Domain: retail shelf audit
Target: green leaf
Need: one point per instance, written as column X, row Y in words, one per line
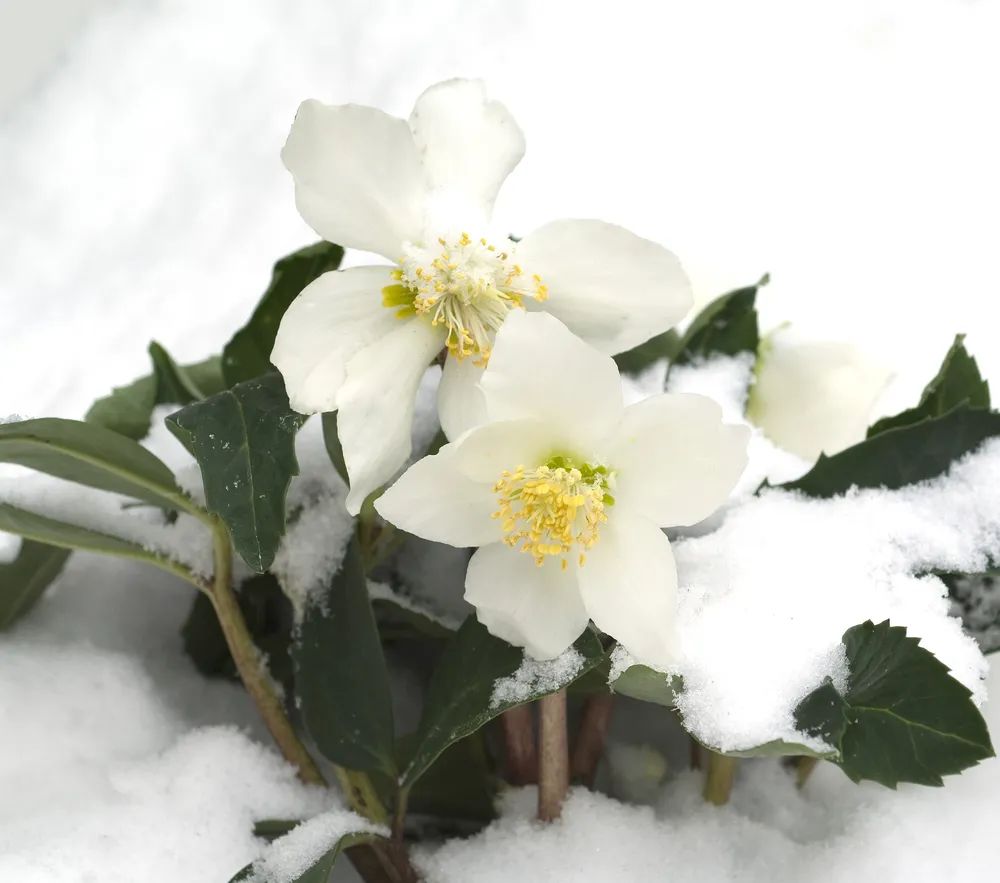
column 322, row 870
column 174, row 385
column 341, row 677
column 460, row 784
column 399, row 621
column 898, row 457
column 333, row 448
column 23, row 580
column 904, row 718
column 128, row 409
column 637, row 359
column 647, row 685
column 958, row 382
column 726, row 327
column 248, row 353
column 244, row 442
column 269, row 618
column 459, row 697
column 91, row 455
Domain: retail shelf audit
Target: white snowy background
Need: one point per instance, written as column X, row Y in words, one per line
column 850, row 149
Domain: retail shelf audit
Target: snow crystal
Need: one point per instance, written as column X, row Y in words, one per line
column 765, row 599
column 288, row 857
column 537, row 676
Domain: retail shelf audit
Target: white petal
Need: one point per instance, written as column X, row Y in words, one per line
column 538, row 608
column 814, row 396
column 540, row 370
column 629, row 587
column 358, row 178
column 675, row 461
column 611, row 287
column 468, row 144
column 435, row 501
column 486, row 451
column 375, row 405
column 333, row 318
column 461, row 404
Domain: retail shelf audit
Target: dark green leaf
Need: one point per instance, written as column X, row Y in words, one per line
column 174, row 385
column 637, row 359
column 23, row 580
column 958, row 382
column 332, row 442
column 904, row 718
column 460, row 784
column 322, row 870
column 898, row 457
column 459, row 697
column 272, row 829
column 244, row 442
column 91, row 455
column 128, row 409
column 268, row 616
column 726, row 327
column 248, row 354
column 647, row 685
column 341, row 677
column 397, row 620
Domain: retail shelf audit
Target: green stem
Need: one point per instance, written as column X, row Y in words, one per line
column 719, row 774
column 803, row 769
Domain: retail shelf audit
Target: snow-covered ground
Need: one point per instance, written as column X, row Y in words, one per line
column 849, row 149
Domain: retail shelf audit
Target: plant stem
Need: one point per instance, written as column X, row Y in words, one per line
column 249, row 664
column 553, row 755
column 592, row 737
column 694, row 756
column 803, row 769
column 719, row 776
column 519, row 741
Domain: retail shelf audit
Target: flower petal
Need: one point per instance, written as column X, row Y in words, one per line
column 629, row 587
column 334, row 317
column 814, row 396
column 486, row 451
column 611, row 287
column 675, row 461
column 540, row 370
column 435, row 501
column 358, row 178
column 375, row 405
column 460, row 401
column 538, row 608
column 468, row 144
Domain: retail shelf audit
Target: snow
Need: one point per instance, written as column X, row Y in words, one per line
column 536, row 676
column 143, row 198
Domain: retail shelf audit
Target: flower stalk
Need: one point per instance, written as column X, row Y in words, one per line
column 720, row 772
column 553, row 755
column 592, row 737
column 520, row 745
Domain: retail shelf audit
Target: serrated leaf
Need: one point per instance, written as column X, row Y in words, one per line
column 321, row 871
column 128, row 409
column 248, row 353
column 244, row 442
column 341, row 678
column 459, row 698
column 903, row 718
column 726, row 327
column 898, row 457
column 23, row 580
column 638, row 359
column 91, row 455
column 958, row 382
column 647, row 685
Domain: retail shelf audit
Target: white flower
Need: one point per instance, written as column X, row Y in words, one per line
column 565, row 490
column 420, row 193
column 811, row 397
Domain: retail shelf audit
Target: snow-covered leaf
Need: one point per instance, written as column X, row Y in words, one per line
column 23, row 580
column 341, row 677
column 248, row 353
column 958, row 382
column 319, row 872
column 91, row 455
column 903, row 718
column 726, row 327
column 901, row 456
column 462, row 696
column 128, row 409
column 244, row 442
column 647, row 685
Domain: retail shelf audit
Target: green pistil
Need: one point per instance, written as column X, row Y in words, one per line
column 400, row 298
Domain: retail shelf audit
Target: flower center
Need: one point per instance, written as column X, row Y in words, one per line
column 548, row 511
column 466, row 286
